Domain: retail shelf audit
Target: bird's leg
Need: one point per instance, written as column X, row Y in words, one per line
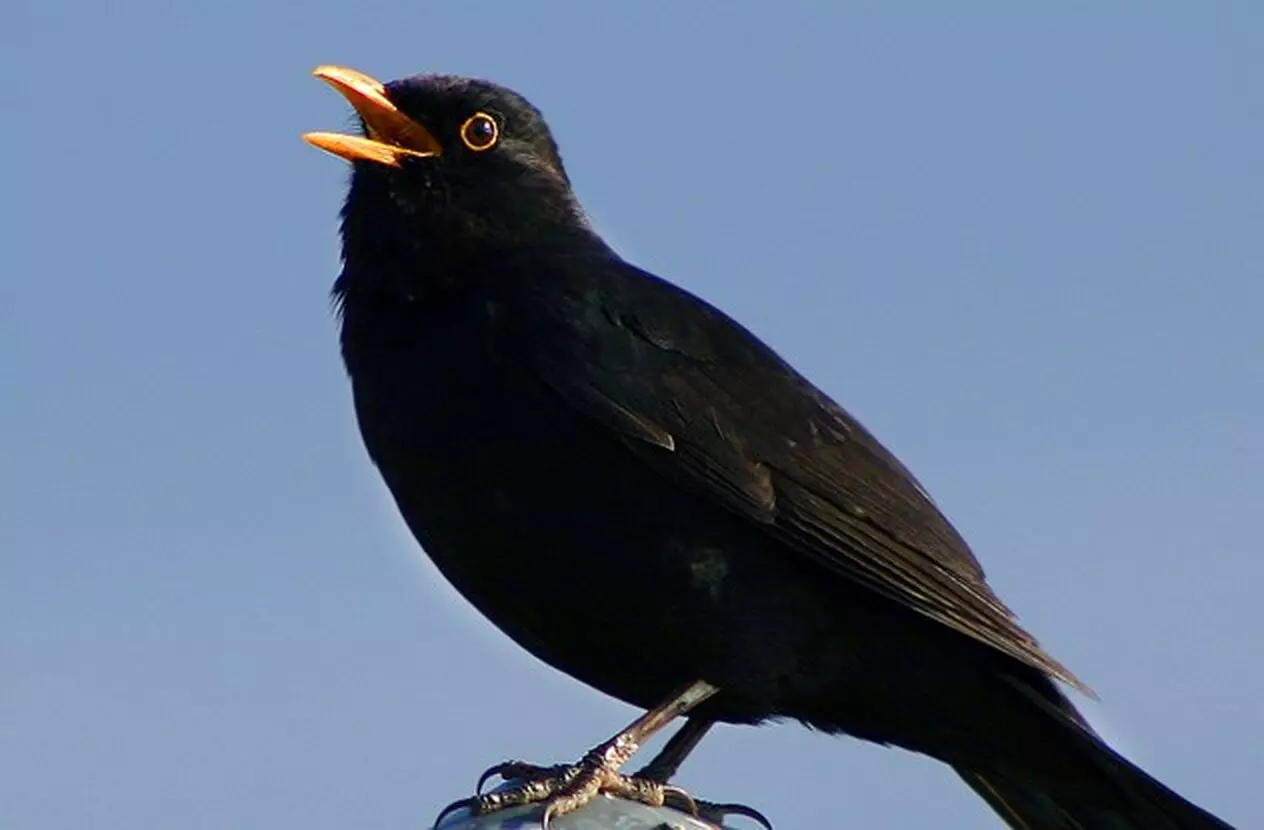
column 567, row 788
column 664, row 766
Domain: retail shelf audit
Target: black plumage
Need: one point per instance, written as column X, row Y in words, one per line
column 642, row 494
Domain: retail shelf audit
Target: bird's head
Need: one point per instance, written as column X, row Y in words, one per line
column 442, row 157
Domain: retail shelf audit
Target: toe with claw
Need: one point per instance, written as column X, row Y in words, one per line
column 716, row 814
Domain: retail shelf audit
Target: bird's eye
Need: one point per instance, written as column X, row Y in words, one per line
column 480, row 132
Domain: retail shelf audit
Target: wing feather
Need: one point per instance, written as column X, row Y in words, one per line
column 713, row 408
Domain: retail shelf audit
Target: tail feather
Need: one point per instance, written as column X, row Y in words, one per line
column 1110, row 793
column 1023, row 807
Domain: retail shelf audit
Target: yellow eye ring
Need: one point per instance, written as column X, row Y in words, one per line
column 480, row 132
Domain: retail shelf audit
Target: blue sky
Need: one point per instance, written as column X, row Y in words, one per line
column 1023, row 246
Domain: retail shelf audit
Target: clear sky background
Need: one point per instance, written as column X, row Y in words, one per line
column 1025, row 245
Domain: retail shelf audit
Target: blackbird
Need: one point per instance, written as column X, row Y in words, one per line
column 645, row 496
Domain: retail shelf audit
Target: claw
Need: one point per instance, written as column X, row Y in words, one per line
column 460, row 803
column 677, row 798
column 488, row 774
column 716, row 813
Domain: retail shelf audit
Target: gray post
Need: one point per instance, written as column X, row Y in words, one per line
column 604, row 813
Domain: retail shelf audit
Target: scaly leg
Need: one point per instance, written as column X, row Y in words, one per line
column 666, row 763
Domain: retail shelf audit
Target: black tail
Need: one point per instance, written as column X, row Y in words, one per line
column 1108, row 792
column 1025, row 808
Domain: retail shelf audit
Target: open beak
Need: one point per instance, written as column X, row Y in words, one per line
column 392, row 136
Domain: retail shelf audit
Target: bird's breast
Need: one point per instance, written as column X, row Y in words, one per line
column 549, row 524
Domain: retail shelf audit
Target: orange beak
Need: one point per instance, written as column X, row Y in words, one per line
column 391, row 135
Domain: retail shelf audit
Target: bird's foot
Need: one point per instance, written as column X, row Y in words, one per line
column 564, row 788
column 567, row 787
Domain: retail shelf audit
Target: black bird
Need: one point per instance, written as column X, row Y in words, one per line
column 642, row 494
